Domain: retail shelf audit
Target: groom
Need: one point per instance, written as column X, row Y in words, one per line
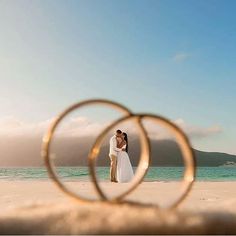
column 115, row 139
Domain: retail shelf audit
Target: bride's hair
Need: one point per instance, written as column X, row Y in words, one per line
column 126, row 139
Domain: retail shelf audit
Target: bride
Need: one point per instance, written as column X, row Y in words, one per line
column 124, row 169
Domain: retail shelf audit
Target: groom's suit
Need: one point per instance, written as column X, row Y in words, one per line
column 113, row 157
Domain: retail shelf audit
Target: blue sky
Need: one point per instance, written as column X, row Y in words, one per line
column 174, row 58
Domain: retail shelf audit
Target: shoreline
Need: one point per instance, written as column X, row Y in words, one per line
column 108, row 181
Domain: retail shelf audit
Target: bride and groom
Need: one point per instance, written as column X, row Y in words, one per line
column 120, row 169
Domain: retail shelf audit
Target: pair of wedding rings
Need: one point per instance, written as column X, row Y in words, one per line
column 144, row 162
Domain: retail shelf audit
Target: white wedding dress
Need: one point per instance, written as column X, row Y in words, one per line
column 124, row 168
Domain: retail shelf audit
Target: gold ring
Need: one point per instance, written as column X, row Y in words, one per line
column 187, row 152
column 47, row 139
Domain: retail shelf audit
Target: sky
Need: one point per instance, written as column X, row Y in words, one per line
column 167, row 57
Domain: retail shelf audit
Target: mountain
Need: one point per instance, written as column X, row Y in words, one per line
column 25, row 151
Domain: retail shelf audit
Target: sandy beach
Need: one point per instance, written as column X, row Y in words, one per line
column 204, row 195
column 39, row 207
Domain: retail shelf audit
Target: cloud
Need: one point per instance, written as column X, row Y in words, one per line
column 10, row 122
column 82, row 126
column 180, row 57
column 79, row 126
column 155, row 131
column 198, row 132
column 11, row 126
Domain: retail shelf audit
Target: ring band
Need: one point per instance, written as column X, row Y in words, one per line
column 188, row 154
column 47, row 140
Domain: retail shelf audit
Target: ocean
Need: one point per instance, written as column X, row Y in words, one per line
column 82, row 173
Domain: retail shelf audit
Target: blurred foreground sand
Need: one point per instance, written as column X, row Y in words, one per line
column 38, row 207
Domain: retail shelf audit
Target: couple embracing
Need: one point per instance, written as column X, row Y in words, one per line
column 121, row 169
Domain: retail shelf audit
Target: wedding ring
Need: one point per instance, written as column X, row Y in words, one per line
column 48, row 137
column 187, row 152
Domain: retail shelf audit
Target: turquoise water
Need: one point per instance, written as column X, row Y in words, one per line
column 154, row 173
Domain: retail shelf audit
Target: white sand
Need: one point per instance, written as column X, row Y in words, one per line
column 210, row 195
column 38, row 207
